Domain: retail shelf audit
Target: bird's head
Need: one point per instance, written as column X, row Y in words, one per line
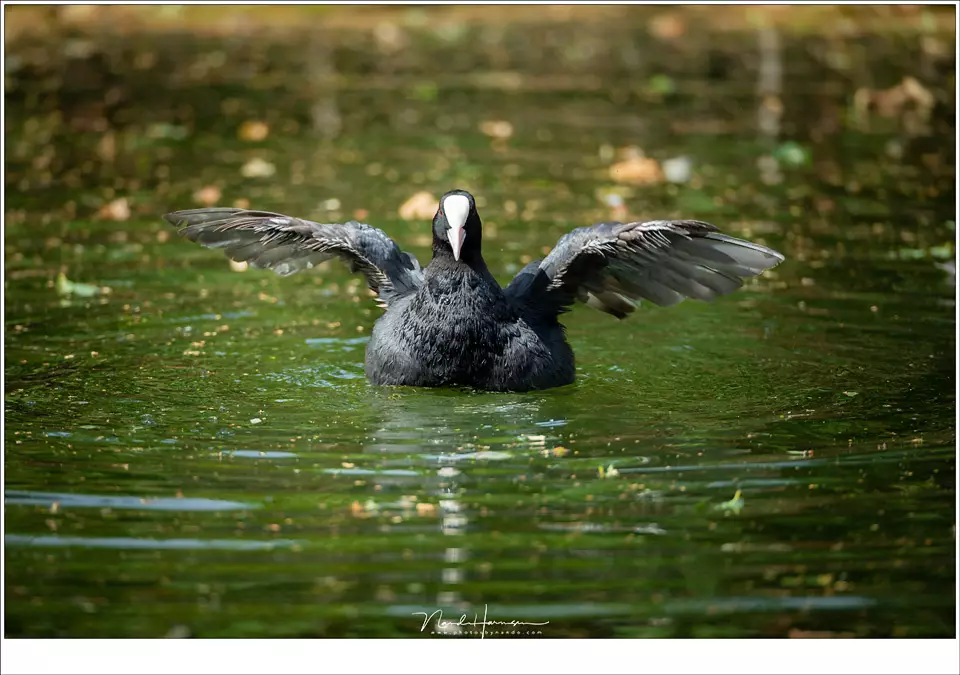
column 457, row 225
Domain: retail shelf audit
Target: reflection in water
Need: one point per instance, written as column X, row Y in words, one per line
column 260, row 454
column 73, row 500
column 120, row 543
column 324, row 111
column 769, row 84
column 738, row 605
column 405, row 421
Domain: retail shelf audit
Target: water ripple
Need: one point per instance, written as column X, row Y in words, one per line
column 68, row 500
column 54, row 541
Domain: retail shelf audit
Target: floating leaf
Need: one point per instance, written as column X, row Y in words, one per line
column 661, row 84
column 792, row 154
column 257, row 168
column 500, row 129
column 167, row 131
column 67, row 287
column 118, row 209
column 735, row 505
column 208, row 195
column 944, row 252
column 420, row 206
column 254, row 130
column 668, row 26
column 425, row 91
column 558, row 451
column 609, row 472
column 637, row 171
column 678, row 169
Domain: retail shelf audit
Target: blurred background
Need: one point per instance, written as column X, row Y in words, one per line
column 190, row 444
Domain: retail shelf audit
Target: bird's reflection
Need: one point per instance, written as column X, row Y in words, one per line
column 444, row 428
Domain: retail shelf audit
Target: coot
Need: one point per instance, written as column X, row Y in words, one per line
column 452, row 324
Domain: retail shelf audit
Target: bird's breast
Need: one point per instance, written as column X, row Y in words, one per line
column 460, row 317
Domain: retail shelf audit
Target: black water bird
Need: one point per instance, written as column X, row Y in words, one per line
column 451, row 323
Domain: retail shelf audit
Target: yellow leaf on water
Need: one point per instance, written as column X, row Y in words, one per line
column 254, row 130
column 497, row 129
column 208, row 195
column 421, row 206
column 637, row 171
column 118, row 209
column 735, row 505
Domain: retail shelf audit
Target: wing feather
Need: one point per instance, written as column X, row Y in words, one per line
column 612, row 266
column 288, row 245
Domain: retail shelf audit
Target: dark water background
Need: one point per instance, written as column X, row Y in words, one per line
column 196, row 451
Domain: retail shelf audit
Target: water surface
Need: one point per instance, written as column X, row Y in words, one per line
column 197, row 451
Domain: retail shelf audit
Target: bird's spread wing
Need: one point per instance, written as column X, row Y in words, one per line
column 287, row 245
column 611, row 266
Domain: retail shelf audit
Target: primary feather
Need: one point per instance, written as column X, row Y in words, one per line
column 287, row 245
column 612, row 266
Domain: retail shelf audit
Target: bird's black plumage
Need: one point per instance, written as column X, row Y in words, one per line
column 452, row 323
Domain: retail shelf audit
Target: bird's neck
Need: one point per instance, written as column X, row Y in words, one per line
column 469, row 258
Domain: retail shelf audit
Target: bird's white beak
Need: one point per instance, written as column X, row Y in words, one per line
column 456, row 208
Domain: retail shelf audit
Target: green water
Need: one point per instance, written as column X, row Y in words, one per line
column 197, row 451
